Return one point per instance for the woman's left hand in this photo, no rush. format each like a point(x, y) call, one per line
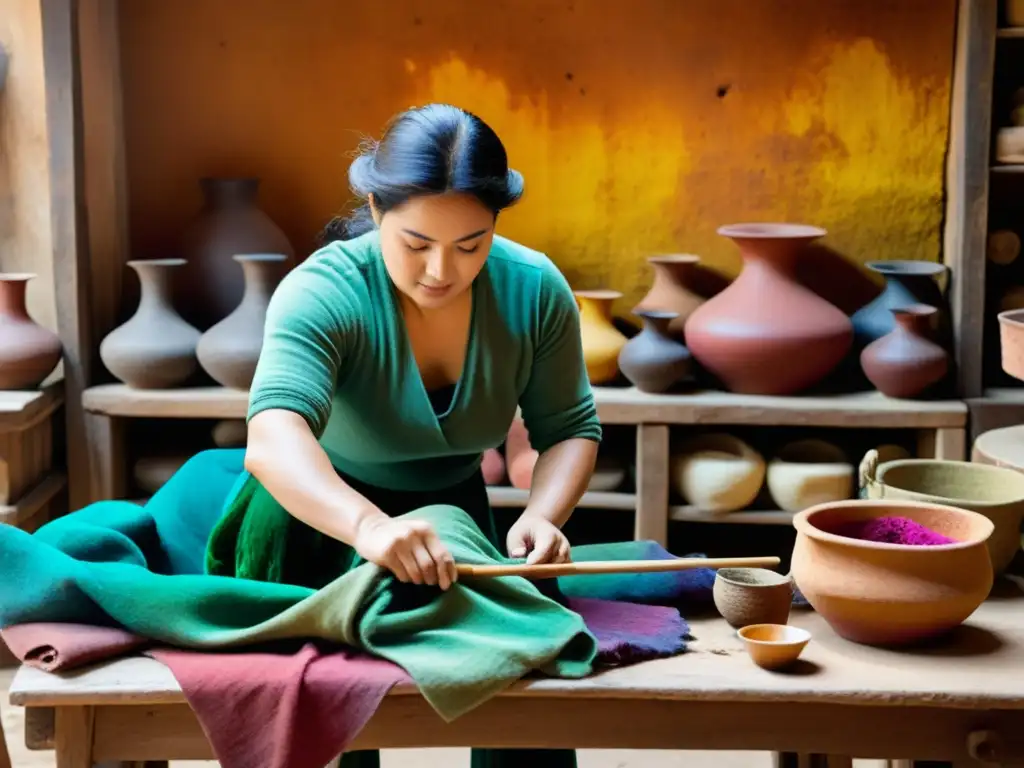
point(538, 540)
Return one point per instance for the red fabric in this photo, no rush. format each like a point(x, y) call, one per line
point(258, 710)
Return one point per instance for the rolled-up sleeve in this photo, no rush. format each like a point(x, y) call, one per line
point(558, 403)
point(302, 347)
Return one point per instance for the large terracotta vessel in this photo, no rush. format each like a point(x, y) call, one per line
point(28, 351)
point(230, 350)
point(766, 333)
point(602, 341)
point(906, 362)
point(156, 348)
point(229, 223)
point(672, 289)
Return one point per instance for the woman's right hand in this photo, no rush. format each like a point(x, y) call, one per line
point(410, 549)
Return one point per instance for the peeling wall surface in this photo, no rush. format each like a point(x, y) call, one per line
point(640, 127)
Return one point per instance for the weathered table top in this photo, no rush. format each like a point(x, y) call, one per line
point(975, 669)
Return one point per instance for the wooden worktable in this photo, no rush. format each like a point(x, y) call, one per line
point(841, 699)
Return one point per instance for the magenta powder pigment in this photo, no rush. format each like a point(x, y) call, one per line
point(892, 530)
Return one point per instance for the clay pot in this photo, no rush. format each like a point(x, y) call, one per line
point(229, 223)
point(995, 492)
point(156, 348)
point(906, 283)
point(652, 360)
point(905, 362)
point(152, 472)
point(1003, 247)
point(609, 474)
point(1011, 342)
point(28, 351)
point(1000, 448)
point(766, 333)
point(717, 473)
point(229, 351)
point(1010, 145)
point(602, 341)
point(230, 433)
point(492, 467)
point(809, 472)
point(672, 289)
point(747, 596)
point(891, 594)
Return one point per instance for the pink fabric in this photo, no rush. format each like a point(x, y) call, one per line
point(53, 647)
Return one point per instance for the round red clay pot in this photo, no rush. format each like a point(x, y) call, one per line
point(28, 351)
point(905, 362)
point(766, 333)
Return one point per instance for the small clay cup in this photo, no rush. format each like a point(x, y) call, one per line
point(773, 646)
point(747, 596)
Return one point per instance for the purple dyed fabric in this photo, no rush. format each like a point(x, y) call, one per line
point(892, 530)
point(628, 633)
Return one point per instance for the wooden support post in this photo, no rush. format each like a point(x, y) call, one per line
point(106, 446)
point(652, 457)
point(74, 729)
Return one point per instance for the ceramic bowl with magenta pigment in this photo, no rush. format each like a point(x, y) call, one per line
point(886, 594)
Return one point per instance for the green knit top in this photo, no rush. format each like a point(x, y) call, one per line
point(335, 351)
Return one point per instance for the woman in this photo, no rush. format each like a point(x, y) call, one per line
point(399, 352)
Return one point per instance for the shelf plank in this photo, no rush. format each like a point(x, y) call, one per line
point(33, 501)
point(857, 409)
point(1010, 32)
point(504, 496)
point(20, 409)
point(615, 406)
point(1008, 168)
point(688, 514)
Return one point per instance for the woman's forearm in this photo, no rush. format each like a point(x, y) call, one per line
point(560, 478)
point(282, 453)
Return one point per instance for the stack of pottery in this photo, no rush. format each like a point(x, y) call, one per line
point(229, 351)
point(766, 333)
point(654, 360)
point(907, 283)
point(229, 223)
point(673, 289)
point(906, 362)
point(28, 351)
point(602, 341)
point(156, 348)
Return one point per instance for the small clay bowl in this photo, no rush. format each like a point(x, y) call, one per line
point(752, 596)
point(773, 646)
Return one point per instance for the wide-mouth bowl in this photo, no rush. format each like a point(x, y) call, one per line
point(907, 267)
point(967, 528)
point(752, 577)
point(771, 230)
point(990, 486)
point(674, 258)
point(1013, 318)
point(774, 634)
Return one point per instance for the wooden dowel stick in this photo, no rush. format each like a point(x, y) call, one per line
point(550, 570)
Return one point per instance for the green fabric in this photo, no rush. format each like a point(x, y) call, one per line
point(335, 351)
point(138, 567)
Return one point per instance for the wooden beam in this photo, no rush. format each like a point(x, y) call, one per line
point(70, 250)
point(967, 182)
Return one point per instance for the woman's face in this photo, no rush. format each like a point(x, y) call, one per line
point(434, 246)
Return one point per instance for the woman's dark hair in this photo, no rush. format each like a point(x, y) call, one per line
point(429, 150)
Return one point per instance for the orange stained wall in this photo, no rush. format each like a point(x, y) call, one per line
point(640, 127)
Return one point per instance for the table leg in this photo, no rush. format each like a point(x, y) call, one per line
point(73, 734)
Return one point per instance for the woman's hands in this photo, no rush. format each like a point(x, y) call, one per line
point(538, 540)
point(410, 549)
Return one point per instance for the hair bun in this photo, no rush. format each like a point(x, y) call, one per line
point(360, 174)
point(514, 185)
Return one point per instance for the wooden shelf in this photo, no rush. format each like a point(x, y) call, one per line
point(1010, 32)
point(1009, 168)
point(615, 406)
point(687, 514)
point(502, 496)
point(19, 409)
point(32, 502)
